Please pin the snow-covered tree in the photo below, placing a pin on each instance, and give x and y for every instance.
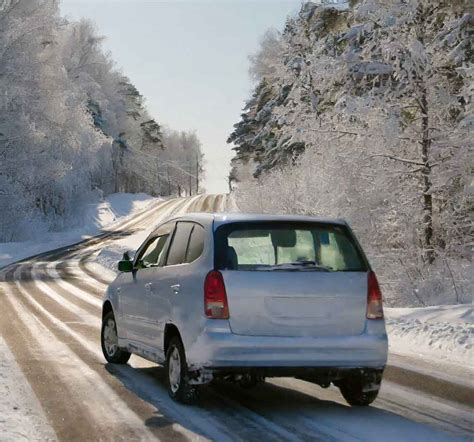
(71, 124)
(366, 114)
(182, 163)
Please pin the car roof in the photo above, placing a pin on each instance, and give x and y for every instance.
(230, 217)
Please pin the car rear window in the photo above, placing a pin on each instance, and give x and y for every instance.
(273, 246)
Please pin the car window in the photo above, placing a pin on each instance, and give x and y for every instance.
(179, 243)
(196, 243)
(153, 251)
(287, 246)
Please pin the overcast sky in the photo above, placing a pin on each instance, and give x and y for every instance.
(189, 60)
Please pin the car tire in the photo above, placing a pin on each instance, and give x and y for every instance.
(177, 379)
(359, 393)
(251, 381)
(109, 341)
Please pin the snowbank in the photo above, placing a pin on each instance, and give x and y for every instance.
(114, 209)
(438, 333)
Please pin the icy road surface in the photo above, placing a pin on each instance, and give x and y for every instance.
(51, 307)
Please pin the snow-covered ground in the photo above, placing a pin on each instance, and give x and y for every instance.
(21, 415)
(310, 412)
(441, 333)
(100, 215)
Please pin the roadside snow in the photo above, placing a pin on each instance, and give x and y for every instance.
(21, 415)
(98, 216)
(438, 333)
(110, 255)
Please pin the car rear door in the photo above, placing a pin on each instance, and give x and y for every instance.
(168, 283)
(315, 286)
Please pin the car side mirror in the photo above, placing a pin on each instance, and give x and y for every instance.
(126, 264)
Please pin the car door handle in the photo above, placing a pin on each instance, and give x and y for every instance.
(148, 287)
(175, 288)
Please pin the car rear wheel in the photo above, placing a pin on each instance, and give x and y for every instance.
(177, 378)
(359, 392)
(251, 381)
(109, 341)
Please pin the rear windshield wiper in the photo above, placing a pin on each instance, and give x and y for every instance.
(296, 266)
(311, 265)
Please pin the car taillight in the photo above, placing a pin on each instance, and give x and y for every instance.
(374, 298)
(215, 296)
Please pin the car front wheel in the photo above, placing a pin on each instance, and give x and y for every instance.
(179, 388)
(109, 341)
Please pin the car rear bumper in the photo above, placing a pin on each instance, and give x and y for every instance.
(218, 348)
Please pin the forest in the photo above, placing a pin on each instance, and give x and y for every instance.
(363, 110)
(73, 127)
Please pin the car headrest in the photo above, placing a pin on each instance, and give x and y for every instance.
(232, 262)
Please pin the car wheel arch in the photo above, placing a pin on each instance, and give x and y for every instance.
(170, 331)
(106, 308)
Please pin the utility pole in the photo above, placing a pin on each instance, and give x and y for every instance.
(197, 173)
(159, 179)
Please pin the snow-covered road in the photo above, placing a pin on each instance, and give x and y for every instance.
(50, 321)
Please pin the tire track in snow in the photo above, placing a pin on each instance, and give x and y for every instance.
(84, 342)
(93, 300)
(73, 270)
(50, 299)
(89, 272)
(89, 389)
(64, 270)
(44, 282)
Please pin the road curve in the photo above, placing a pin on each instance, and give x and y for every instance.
(51, 306)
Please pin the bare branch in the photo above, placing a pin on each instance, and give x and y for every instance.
(403, 160)
(343, 132)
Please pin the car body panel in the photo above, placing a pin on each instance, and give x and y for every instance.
(296, 303)
(226, 349)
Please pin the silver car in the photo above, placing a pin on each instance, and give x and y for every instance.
(243, 297)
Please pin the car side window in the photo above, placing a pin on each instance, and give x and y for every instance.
(179, 243)
(152, 252)
(196, 243)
